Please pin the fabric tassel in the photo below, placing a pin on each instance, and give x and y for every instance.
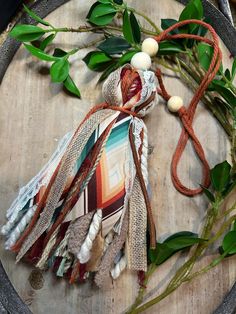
(87, 209)
(74, 150)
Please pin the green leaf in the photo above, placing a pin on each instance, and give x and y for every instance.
(58, 52)
(91, 9)
(97, 60)
(131, 28)
(114, 45)
(26, 33)
(182, 242)
(229, 242)
(169, 47)
(127, 30)
(233, 71)
(201, 29)
(71, 87)
(46, 41)
(35, 16)
(120, 2)
(60, 70)
(234, 226)
(224, 92)
(205, 53)
(176, 242)
(102, 14)
(39, 53)
(160, 254)
(229, 187)
(208, 194)
(127, 57)
(180, 234)
(135, 28)
(193, 10)
(227, 74)
(220, 176)
(166, 23)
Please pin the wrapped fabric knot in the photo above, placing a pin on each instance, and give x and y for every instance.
(132, 89)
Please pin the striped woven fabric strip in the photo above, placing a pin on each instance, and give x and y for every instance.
(106, 189)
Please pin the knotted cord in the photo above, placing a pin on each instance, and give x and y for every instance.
(187, 115)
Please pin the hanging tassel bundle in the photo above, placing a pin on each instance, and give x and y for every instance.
(88, 210)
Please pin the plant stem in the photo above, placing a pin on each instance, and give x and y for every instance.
(205, 269)
(165, 64)
(95, 29)
(142, 290)
(227, 212)
(91, 43)
(223, 228)
(186, 268)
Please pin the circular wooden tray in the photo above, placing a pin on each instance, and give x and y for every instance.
(35, 114)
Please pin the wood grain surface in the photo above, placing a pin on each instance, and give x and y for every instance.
(35, 114)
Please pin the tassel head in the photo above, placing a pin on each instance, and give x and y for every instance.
(132, 89)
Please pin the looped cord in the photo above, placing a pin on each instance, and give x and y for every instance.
(187, 115)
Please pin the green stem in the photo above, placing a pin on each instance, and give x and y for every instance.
(222, 229)
(227, 212)
(96, 29)
(161, 61)
(205, 269)
(186, 268)
(142, 290)
(92, 43)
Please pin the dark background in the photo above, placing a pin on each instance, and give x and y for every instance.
(7, 10)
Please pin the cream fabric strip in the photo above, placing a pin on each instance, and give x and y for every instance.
(74, 150)
(136, 248)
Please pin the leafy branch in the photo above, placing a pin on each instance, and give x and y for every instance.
(221, 177)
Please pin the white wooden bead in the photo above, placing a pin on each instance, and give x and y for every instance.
(175, 103)
(150, 46)
(141, 61)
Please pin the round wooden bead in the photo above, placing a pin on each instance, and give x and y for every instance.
(175, 103)
(141, 61)
(150, 46)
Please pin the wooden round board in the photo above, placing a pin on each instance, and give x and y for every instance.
(35, 114)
